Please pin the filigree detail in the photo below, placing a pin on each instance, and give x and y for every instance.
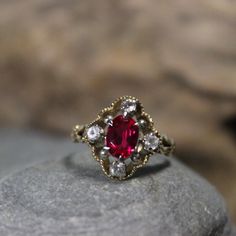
(140, 155)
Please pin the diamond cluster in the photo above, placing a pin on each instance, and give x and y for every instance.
(122, 139)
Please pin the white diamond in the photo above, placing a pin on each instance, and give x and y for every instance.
(94, 133)
(104, 153)
(118, 169)
(129, 106)
(151, 142)
(108, 120)
(142, 123)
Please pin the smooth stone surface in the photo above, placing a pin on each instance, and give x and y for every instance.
(21, 148)
(72, 197)
(66, 196)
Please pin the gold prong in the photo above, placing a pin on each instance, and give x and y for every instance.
(77, 133)
(167, 145)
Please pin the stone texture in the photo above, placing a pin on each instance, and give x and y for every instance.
(70, 196)
(22, 148)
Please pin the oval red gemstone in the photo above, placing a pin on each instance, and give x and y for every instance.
(122, 136)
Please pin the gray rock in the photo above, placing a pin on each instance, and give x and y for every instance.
(21, 148)
(72, 197)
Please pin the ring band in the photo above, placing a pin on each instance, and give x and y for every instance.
(123, 138)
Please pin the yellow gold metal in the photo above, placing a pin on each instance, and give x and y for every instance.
(77, 133)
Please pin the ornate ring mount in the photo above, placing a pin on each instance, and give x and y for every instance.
(123, 138)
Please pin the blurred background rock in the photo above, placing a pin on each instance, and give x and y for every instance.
(61, 61)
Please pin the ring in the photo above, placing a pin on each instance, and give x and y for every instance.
(123, 138)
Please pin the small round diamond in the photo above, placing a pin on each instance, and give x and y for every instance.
(118, 169)
(142, 123)
(108, 120)
(94, 133)
(104, 153)
(151, 142)
(129, 106)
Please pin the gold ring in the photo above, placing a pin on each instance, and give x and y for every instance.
(123, 138)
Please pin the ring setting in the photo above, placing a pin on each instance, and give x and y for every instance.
(122, 138)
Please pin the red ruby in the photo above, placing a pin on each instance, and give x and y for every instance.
(122, 136)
